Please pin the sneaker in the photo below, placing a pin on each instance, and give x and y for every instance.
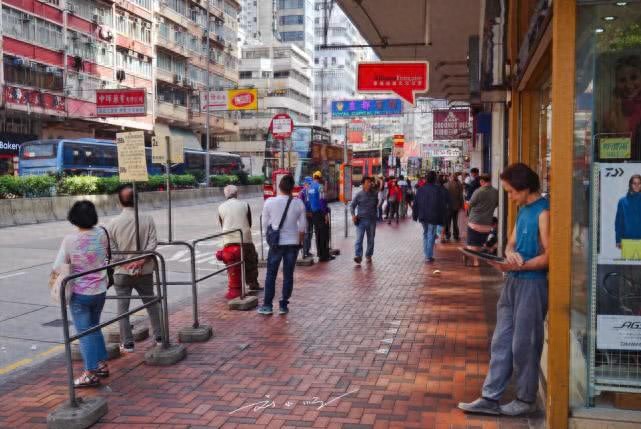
(357, 259)
(481, 406)
(158, 340)
(283, 310)
(429, 260)
(267, 311)
(518, 408)
(126, 348)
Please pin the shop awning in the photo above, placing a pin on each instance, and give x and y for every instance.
(189, 139)
(437, 31)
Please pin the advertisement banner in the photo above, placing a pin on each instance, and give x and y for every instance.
(127, 102)
(31, 98)
(618, 332)
(356, 132)
(132, 162)
(242, 99)
(451, 124)
(620, 228)
(402, 78)
(218, 101)
(615, 147)
(372, 107)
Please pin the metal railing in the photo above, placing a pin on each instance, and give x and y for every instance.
(160, 298)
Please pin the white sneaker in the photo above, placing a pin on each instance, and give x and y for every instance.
(518, 408)
(126, 348)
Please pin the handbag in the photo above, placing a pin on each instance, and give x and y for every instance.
(55, 283)
(110, 271)
(273, 235)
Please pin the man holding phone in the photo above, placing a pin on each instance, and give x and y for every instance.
(364, 215)
(517, 342)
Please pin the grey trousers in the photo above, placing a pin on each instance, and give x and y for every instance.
(144, 285)
(517, 342)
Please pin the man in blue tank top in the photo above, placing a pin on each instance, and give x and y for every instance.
(517, 342)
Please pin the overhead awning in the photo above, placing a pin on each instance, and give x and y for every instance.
(188, 138)
(437, 31)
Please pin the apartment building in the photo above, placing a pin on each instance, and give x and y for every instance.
(57, 53)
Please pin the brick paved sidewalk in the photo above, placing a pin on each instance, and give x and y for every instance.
(389, 344)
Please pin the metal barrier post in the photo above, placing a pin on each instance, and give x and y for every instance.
(79, 412)
(333, 252)
(196, 332)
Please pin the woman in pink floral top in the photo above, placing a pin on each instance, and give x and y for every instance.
(84, 250)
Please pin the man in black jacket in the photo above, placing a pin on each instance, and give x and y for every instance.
(431, 206)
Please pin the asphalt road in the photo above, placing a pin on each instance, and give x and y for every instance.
(30, 322)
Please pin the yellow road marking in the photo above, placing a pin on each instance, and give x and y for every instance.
(22, 362)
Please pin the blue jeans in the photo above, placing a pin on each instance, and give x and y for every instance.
(365, 226)
(85, 310)
(288, 254)
(429, 236)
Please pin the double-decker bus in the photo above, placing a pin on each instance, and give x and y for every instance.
(96, 157)
(309, 151)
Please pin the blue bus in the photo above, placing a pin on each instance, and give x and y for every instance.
(94, 157)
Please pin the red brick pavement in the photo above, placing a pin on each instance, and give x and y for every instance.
(403, 345)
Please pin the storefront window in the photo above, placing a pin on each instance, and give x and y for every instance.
(606, 269)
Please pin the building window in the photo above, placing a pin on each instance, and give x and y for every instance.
(245, 75)
(291, 4)
(292, 36)
(292, 19)
(333, 61)
(30, 73)
(28, 28)
(134, 27)
(136, 64)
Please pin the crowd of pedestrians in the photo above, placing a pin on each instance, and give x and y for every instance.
(436, 202)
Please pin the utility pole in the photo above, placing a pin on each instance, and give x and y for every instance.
(207, 97)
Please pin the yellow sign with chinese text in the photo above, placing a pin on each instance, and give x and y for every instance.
(615, 148)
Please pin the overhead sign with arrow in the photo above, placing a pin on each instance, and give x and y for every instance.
(402, 78)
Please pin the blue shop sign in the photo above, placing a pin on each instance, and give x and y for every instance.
(370, 107)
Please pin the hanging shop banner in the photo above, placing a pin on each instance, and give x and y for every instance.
(229, 100)
(451, 124)
(132, 161)
(445, 153)
(401, 78)
(620, 218)
(126, 102)
(356, 132)
(33, 98)
(399, 140)
(371, 107)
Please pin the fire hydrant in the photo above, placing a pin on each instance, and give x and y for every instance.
(230, 254)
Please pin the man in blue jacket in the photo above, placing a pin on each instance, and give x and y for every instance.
(431, 206)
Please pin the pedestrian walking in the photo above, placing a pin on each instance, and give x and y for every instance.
(284, 214)
(431, 205)
(482, 205)
(235, 214)
(82, 250)
(136, 275)
(364, 213)
(518, 336)
(394, 199)
(455, 191)
(319, 217)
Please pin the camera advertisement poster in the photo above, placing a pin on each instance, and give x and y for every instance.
(620, 214)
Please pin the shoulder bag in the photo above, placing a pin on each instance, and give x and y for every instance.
(273, 235)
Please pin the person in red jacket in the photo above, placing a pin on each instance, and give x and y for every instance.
(394, 199)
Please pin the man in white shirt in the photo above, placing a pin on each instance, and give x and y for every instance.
(235, 214)
(292, 234)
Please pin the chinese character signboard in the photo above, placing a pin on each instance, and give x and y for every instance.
(615, 147)
(281, 126)
(399, 140)
(372, 107)
(128, 102)
(356, 132)
(132, 162)
(31, 98)
(402, 78)
(229, 100)
(451, 124)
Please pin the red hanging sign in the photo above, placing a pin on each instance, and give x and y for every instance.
(124, 102)
(402, 78)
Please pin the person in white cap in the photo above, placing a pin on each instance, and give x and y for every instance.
(235, 214)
